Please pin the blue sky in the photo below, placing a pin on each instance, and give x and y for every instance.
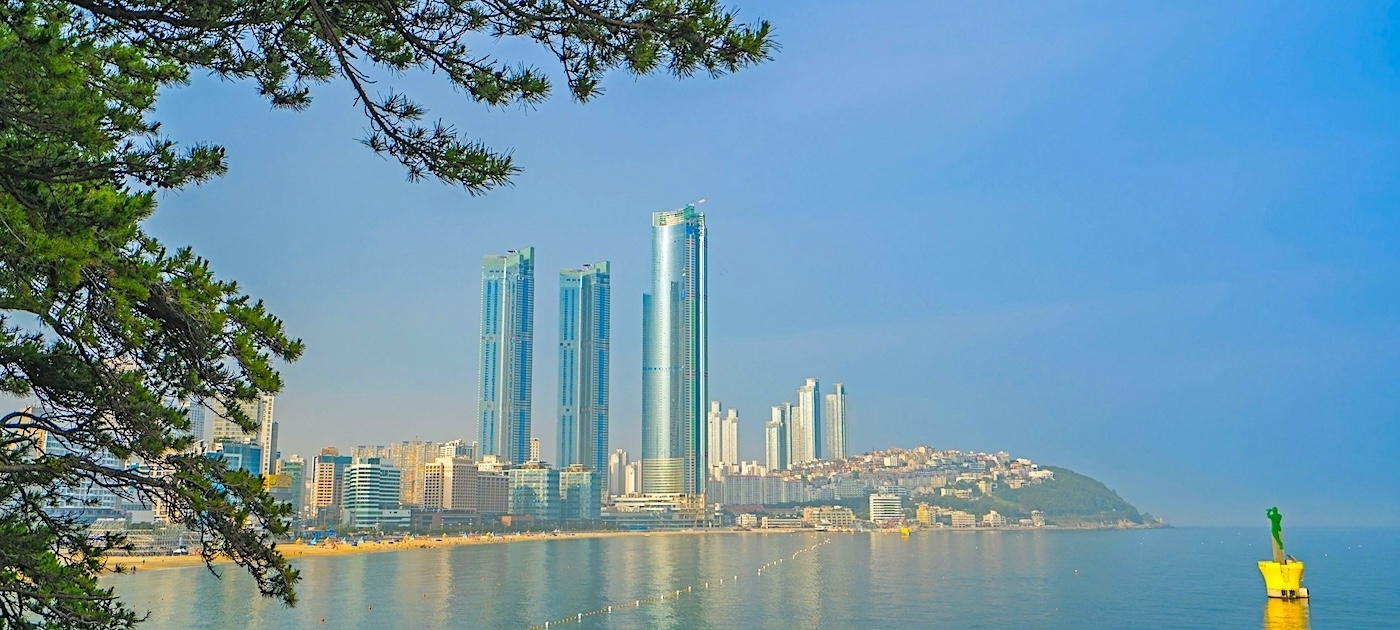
(1156, 243)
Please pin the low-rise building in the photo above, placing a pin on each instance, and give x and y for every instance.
(886, 508)
(579, 495)
(534, 492)
(960, 519)
(829, 516)
(371, 496)
(783, 522)
(492, 493)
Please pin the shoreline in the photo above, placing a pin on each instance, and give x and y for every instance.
(294, 551)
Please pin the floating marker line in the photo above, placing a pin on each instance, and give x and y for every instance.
(638, 603)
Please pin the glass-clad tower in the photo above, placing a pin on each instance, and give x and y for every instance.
(507, 351)
(675, 364)
(584, 311)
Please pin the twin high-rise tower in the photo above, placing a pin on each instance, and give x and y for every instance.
(507, 354)
(584, 312)
(507, 357)
(675, 357)
(675, 361)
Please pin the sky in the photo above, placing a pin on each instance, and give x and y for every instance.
(1156, 243)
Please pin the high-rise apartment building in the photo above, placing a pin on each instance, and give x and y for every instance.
(835, 423)
(534, 449)
(675, 361)
(195, 413)
(585, 312)
(89, 500)
(730, 451)
(507, 353)
(225, 429)
(714, 436)
(328, 476)
(364, 451)
(632, 478)
(722, 427)
(807, 423)
(267, 434)
(456, 448)
(407, 456)
(793, 432)
(617, 472)
(775, 439)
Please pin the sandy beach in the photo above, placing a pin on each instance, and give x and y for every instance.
(302, 550)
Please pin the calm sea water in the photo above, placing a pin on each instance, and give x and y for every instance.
(1173, 578)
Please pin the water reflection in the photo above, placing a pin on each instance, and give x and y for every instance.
(1286, 615)
(1050, 580)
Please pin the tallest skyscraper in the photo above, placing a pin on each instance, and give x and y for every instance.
(507, 354)
(675, 356)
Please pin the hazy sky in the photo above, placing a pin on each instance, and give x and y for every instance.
(1158, 244)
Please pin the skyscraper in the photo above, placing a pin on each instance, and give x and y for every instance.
(675, 360)
(714, 436)
(775, 434)
(195, 412)
(225, 429)
(328, 474)
(585, 303)
(796, 433)
(835, 421)
(807, 424)
(617, 469)
(507, 352)
(730, 452)
(267, 434)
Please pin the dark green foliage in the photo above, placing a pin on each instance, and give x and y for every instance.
(1071, 498)
(288, 46)
(105, 327)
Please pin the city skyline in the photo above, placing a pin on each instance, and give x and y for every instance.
(1077, 228)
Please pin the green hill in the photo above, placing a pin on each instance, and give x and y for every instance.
(1070, 499)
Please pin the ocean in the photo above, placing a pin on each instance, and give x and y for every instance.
(1043, 579)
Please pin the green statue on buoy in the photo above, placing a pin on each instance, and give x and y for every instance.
(1283, 576)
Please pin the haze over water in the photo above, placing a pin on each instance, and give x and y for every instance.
(1174, 578)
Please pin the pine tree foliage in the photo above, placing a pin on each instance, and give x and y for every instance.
(108, 330)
